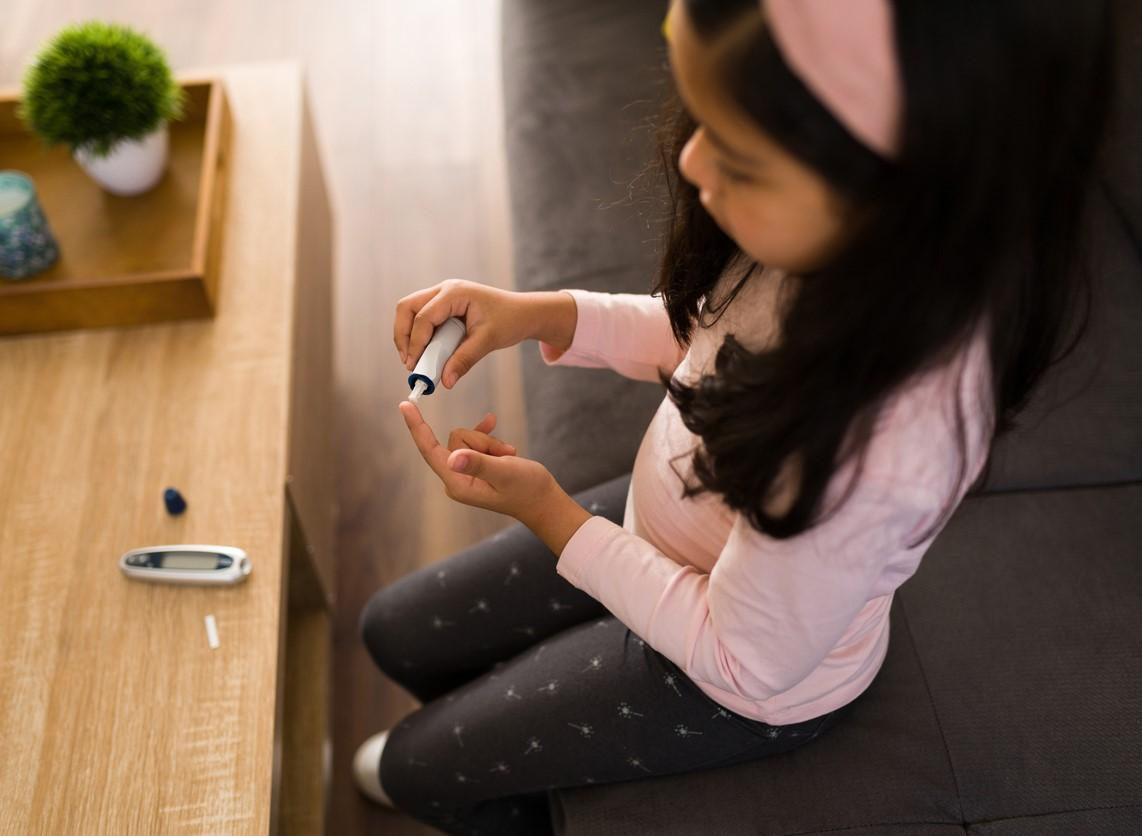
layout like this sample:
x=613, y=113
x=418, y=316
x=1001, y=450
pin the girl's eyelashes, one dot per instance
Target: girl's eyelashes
x=734, y=176
x=730, y=174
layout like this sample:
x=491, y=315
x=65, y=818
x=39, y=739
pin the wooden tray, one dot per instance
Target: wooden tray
x=124, y=260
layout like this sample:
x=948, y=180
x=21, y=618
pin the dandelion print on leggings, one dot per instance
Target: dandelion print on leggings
x=637, y=763
x=584, y=729
x=626, y=712
x=595, y=664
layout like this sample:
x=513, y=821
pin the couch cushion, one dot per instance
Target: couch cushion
x=1124, y=163
x=1026, y=617
x=581, y=82
x=1083, y=423
x=1117, y=821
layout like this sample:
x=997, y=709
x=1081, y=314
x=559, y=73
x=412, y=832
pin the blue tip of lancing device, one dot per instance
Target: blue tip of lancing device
x=414, y=377
x=174, y=501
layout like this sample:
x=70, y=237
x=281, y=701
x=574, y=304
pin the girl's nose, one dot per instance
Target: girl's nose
x=693, y=167
x=686, y=159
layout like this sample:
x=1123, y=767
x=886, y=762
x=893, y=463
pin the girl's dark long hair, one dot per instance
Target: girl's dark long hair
x=981, y=214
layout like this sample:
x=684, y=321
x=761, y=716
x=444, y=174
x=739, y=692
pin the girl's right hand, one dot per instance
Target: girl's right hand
x=493, y=319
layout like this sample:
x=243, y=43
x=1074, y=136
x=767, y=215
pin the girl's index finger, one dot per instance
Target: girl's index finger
x=407, y=309
x=432, y=450
x=436, y=454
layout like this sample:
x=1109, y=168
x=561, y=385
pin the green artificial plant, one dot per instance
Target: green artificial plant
x=98, y=83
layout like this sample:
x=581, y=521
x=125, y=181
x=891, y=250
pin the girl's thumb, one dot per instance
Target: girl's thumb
x=474, y=464
x=461, y=362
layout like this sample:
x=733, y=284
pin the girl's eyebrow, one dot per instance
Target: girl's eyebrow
x=725, y=147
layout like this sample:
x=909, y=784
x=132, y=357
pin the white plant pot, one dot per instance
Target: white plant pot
x=132, y=166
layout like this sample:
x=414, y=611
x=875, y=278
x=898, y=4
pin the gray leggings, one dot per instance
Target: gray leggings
x=528, y=684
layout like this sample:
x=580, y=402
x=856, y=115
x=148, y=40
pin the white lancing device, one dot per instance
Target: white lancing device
x=423, y=379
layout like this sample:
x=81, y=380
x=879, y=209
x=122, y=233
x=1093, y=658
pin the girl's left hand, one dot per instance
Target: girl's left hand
x=493, y=478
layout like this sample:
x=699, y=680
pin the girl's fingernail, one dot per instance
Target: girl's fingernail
x=460, y=464
x=449, y=379
x=511, y=447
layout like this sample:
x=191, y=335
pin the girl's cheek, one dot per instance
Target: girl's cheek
x=758, y=232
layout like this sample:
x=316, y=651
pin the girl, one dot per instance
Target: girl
x=880, y=203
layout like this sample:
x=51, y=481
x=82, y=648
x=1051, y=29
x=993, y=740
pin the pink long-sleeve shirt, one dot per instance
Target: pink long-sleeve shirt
x=775, y=630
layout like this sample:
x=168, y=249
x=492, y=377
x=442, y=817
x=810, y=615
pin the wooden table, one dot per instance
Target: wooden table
x=116, y=716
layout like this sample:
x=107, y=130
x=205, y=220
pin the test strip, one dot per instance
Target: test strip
x=212, y=632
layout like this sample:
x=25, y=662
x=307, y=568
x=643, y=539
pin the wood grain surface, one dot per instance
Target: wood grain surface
x=414, y=156
x=116, y=714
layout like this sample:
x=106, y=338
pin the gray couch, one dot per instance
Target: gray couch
x=1011, y=698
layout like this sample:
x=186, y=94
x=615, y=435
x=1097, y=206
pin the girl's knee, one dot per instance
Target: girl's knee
x=378, y=626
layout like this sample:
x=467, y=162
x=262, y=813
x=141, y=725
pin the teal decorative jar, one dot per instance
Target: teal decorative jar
x=27, y=245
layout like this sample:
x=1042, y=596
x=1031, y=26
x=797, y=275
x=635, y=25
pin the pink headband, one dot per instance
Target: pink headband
x=843, y=51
